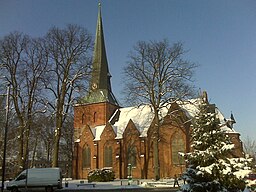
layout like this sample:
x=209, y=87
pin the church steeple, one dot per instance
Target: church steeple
x=100, y=85
x=100, y=73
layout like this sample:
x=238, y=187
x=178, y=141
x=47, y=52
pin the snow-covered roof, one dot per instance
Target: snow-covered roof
x=97, y=131
x=191, y=108
x=142, y=116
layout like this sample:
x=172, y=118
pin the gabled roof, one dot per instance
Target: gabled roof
x=142, y=117
x=97, y=131
x=190, y=107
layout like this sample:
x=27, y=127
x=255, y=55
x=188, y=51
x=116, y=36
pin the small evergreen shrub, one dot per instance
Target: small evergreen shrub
x=101, y=175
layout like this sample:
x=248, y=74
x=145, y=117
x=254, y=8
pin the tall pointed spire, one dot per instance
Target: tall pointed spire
x=100, y=85
x=100, y=74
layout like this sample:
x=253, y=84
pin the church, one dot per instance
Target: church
x=109, y=136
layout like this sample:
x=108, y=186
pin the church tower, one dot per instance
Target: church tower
x=97, y=107
x=93, y=112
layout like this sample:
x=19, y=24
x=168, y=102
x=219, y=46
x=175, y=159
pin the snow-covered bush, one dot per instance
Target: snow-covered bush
x=101, y=175
x=211, y=168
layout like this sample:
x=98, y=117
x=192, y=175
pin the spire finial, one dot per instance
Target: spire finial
x=232, y=117
x=99, y=4
x=205, y=96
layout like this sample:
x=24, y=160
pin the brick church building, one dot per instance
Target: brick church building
x=109, y=136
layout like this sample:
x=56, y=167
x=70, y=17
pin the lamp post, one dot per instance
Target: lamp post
x=5, y=136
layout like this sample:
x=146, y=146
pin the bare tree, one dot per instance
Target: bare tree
x=69, y=52
x=66, y=145
x=250, y=148
x=2, y=121
x=23, y=62
x=41, y=138
x=157, y=74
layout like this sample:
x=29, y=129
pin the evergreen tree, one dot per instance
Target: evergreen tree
x=211, y=168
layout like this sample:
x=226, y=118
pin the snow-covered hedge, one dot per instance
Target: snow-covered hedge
x=101, y=175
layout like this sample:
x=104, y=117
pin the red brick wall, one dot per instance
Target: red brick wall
x=131, y=138
x=144, y=167
x=238, y=145
x=86, y=117
x=93, y=114
x=167, y=168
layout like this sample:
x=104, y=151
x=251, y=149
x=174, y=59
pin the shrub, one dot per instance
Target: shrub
x=101, y=175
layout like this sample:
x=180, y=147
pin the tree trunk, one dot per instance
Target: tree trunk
x=48, y=150
x=57, y=134
x=34, y=153
x=55, y=156
x=21, y=151
x=155, y=147
x=26, y=148
x=156, y=159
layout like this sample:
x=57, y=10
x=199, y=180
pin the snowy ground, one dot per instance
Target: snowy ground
x=122, y=184
x=118, y=184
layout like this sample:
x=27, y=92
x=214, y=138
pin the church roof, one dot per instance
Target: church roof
x=191, y=109
x=97, y=131
x=100, y=85
x=100, y=73
x=142, y=117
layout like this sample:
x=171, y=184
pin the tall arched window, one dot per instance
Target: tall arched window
x=132, y=152
x=86, y=157
x=83, y=118
x=177, y=146
x=94, y=117
x=108, y=156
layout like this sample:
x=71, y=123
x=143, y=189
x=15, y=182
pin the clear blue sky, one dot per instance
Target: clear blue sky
x=219, y=34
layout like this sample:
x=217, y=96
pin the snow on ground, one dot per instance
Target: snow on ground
x=117, y=184
x=124, y=184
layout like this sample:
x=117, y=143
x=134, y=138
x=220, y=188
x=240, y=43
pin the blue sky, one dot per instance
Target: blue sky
x=219, y=34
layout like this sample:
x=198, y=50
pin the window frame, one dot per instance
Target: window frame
x=177, y=146
x=108, y=156
x=86, y=157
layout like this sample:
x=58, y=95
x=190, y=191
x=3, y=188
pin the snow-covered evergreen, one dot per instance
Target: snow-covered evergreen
x=211, y=167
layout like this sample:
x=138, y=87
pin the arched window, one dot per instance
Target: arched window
x=94, y=117
x=108, y=156
x=83, y=118
x=177, y=146
x=86, y=157
x=132, y=152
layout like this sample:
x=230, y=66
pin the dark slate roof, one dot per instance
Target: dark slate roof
x=100, y=86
